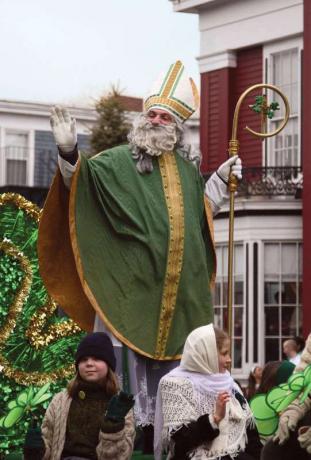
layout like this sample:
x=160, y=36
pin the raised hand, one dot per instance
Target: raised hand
x=220, y=409
x=64, y=129
x=118, y=406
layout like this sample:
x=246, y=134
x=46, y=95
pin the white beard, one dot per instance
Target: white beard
x=147, y=141
x=154, y=140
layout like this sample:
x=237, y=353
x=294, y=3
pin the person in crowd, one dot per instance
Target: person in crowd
x=201, y=412
x=91, y=419
x=274, y=373
x=290, y=350
x=254, y=380
x=293, y=437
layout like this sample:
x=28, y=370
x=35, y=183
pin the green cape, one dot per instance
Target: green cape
x=142, y=249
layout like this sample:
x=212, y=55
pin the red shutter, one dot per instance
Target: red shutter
x=249, y=71
x=220, y=90
x=216, y=114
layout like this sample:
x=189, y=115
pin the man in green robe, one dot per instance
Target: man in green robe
x=131, y=245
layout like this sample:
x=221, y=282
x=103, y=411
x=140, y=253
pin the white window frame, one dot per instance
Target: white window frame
x=261, y=285
x=237, y=371
x=268, y=51
x=4, y=130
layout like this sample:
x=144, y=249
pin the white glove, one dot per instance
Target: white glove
x=289, y=420
x=234, y=165
x=64, y=129
x=304, y=438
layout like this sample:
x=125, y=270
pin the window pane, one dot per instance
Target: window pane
x=238, y=260
x=284, y=150
x=238, y=293
x=272, y=260
x=238, y=322
x=225, y=293
x=16, y=172
x=218, y=317
x=221, y=295
x=289, y=322
x=16, y=139
x=272, y=349
x=237, y=353
x=272, y=296
x=289, y=294
x=217, y=294
x=289, y=259
x=283, y=298
x=272, y=321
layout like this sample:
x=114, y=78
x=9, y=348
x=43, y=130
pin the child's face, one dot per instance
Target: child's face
x=224, y=359
x=92, y=369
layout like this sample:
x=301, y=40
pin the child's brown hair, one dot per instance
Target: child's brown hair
x=221, y=337
x=110, y=384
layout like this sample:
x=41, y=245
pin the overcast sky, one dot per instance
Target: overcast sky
x=66, y=50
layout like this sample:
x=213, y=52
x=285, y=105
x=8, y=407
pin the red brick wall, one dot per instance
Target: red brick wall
x=220, y=90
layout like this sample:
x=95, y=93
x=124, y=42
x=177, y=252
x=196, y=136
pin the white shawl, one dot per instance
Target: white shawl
x=191, y=390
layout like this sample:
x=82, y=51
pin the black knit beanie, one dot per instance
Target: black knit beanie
x=97, y=345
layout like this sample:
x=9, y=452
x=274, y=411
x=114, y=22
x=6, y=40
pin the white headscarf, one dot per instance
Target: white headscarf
x=199, y=366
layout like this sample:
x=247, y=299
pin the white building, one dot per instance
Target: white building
x=242, y=43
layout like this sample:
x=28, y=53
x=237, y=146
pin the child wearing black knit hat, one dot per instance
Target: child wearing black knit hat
x=91, y=419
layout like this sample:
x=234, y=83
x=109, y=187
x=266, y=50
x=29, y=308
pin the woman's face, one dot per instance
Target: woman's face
x=92, y=369
x=224, y=359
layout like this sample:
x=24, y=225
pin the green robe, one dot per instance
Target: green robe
x=142, y=248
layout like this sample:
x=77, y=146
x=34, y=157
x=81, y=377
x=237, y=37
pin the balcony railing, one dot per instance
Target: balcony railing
x=271, y=181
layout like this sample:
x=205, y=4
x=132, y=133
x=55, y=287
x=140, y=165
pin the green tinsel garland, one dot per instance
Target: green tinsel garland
x=24, y=363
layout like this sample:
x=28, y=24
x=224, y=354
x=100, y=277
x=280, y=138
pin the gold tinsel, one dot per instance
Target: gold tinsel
x=8, y=248
x=34, y=332
x=20, y=202
x=35, y=378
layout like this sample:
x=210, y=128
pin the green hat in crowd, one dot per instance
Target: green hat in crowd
x=284, y=372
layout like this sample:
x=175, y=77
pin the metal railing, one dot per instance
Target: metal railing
x=270, y=181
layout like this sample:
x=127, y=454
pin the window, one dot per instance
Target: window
x=283, y=71
x=282, y=295
x=16, y=156
x=220, y=298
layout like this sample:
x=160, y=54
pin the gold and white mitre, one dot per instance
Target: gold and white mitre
x=174, y=92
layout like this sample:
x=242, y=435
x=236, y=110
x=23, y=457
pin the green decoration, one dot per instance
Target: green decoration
x=261, y=106
x=267, y=407
x=36, y=345
x=25, y=402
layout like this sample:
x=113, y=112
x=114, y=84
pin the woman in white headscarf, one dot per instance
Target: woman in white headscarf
x=201, y=413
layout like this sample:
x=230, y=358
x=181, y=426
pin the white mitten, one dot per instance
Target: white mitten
x=304, y=438
x=290, y=418
x=234, y=165
x=64, y=129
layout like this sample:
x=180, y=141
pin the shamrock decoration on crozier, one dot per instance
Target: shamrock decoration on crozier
x=37, y=346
